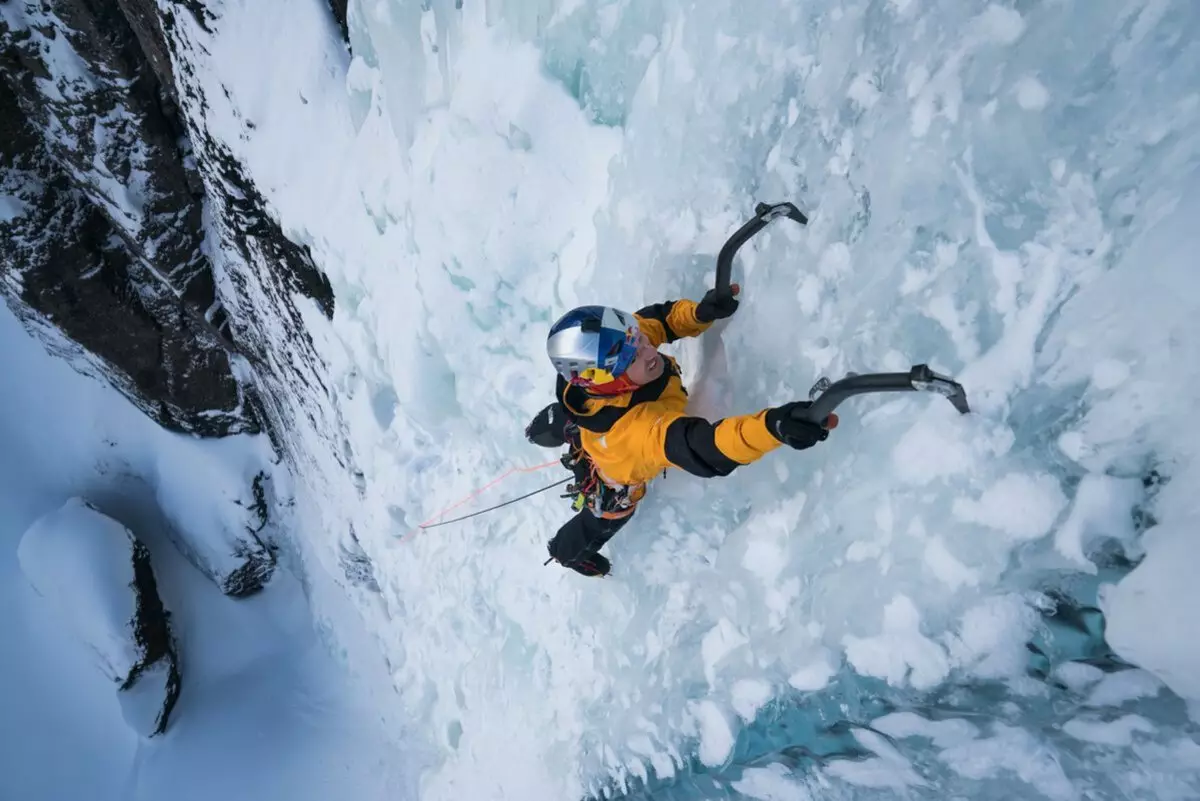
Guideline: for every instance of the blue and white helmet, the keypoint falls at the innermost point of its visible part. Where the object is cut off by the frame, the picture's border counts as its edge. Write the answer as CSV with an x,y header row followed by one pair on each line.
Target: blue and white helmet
x,y
593,344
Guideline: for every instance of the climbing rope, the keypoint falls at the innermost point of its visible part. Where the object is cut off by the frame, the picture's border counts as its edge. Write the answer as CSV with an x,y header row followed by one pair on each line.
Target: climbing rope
x,y
476,493
497,506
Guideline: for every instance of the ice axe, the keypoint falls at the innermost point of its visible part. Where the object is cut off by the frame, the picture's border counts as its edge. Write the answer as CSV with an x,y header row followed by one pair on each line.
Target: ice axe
x,y
826,396
764,215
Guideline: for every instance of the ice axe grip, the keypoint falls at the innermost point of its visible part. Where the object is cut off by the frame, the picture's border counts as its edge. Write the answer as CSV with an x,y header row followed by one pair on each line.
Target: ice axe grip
x,y
764,215
919,379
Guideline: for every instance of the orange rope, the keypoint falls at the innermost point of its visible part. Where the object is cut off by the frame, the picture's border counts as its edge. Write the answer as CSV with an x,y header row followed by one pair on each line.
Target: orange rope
x,y
488,486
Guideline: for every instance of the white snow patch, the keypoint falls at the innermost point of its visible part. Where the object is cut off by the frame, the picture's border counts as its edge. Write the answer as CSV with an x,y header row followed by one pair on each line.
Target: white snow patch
x,y
11,207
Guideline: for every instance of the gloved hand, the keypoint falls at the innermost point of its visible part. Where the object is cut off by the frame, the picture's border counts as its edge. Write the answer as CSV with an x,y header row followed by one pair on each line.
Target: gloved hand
x,y
717,304
794,432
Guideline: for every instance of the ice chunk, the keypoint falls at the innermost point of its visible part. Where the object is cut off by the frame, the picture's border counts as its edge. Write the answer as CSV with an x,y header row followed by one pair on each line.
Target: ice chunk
x,y
1015,751
946,566
1144,612
1077,675
749,695
889,769
771,783
1022,506
721,640
1000,24
901,653
991,639
716,735
1032,94
1117,732
943,733
1103,506
815,675
1127,685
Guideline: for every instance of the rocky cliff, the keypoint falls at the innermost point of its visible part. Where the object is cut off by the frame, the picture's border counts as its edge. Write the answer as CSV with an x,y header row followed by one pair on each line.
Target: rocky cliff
x,y
135,234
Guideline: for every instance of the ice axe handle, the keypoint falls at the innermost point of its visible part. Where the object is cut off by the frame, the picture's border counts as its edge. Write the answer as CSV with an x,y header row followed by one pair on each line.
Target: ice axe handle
x,y
764,214
919,379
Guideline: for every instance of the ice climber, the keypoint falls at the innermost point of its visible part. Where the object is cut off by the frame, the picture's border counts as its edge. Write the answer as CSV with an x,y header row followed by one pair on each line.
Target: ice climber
x,y
622,409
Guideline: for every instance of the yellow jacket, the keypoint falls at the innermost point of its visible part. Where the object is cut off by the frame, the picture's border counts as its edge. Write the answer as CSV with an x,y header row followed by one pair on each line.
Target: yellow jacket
x,y
632,438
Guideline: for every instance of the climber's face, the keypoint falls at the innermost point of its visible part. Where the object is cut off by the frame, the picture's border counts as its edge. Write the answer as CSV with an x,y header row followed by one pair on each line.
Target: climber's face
x,y
648,365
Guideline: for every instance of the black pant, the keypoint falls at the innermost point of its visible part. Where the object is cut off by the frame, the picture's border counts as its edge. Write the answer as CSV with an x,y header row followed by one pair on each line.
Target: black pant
x,y
577,543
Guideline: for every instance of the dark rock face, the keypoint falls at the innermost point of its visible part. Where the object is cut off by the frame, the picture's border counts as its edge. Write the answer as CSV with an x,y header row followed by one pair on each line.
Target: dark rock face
x,y
152,632
339,13
108,244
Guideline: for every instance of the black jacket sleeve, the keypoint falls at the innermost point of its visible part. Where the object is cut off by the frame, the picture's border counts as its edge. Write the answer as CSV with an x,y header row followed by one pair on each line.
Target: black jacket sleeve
x,y
691,446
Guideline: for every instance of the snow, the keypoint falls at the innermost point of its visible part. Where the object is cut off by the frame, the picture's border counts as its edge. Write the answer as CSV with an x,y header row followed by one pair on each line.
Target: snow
x,y
472,173
81,563
264,707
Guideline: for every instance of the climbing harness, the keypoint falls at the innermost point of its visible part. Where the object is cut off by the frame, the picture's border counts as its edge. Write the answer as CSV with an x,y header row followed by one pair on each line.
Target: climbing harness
x,y
590,491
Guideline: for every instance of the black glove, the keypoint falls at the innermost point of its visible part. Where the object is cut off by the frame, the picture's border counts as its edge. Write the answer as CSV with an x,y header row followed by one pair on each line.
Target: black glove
x,y
551,427
792,431
718,304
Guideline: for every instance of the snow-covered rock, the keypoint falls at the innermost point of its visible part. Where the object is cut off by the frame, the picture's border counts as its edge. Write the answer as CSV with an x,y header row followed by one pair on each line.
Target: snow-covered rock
x,y
217,530
97,579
